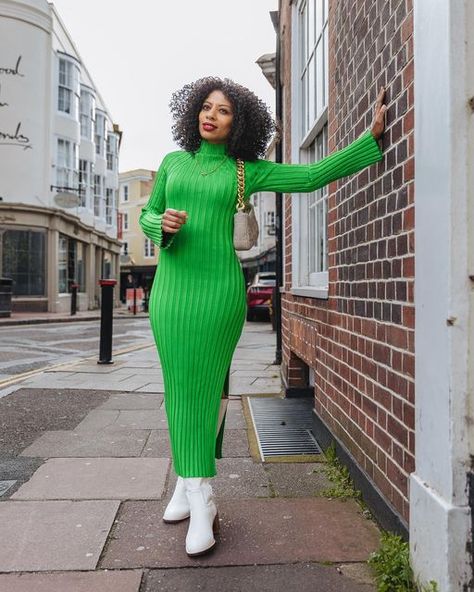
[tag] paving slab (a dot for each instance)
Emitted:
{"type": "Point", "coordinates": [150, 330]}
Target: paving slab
{"type": "Point", "coordinates": [268, 382]}
{"type": "Point", "coordinates": [87, 581]}
{"type": "Point", "coordinates": [127, 370]}
{"type": "Point", "coordinates": [148, 419]}
{"type": "Point", "coordinates": [133, 382]}
{"type": "Point", "coordinates": [240, 388]}
{"type": "Point", "coordinates": [235, 419]}
{"type": "Point", "coordinates": [240, 478]}
{"type": "Point", "coordinates": [96, 478]}
{"type": "Point", "coordinates": [140, 419]}
{"type": "Point", "coordinates": [59, 535]}
{"type": "Point", "coordinates": [253, 531]}
{"type": "Point", "coordinates": [133, 401]}
{"type": "Point", "coordinates": [97, 420]}
{"type": "Point", "coordinates": [247, 365]}
{"type": "Point", "coordinates": [89, 367]}
{"type": "Point", "coordinates": [297, 479]}
{"type": "Point", "coordinates": [26, 413]}
{"type": "Point", "coordinates": [152, 387]}
{"type": "Point", "coordinates": [304, 577]}
{"type": "Point", "coordinates": [254, 373]}
{"type": "Point", "coordinates": [157, 445]}
{"type": "Point", "coordinates": [112, 442]}
{"type": "Point", "coordinates": [235, 443]}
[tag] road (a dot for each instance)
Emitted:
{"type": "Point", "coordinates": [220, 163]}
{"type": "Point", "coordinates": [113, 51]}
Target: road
{"type": "Point", "coordinates": [24, 348]}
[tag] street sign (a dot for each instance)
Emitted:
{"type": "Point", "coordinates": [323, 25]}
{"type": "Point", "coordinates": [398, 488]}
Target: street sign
{"type": "Point", "coordinates": [65, 199]}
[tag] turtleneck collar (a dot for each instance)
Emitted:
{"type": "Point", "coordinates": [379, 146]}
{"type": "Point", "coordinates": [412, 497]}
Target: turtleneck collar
{"type": "Point", "coordinates": [209, 149]}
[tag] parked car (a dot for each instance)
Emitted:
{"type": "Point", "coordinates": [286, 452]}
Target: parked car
{"type": "Point", "coordinates": [259, 295]}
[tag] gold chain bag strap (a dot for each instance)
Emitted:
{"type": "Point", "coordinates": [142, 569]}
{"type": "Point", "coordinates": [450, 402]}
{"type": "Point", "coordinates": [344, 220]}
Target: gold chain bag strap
{"type": "Point", "coordinates": [245, 222]}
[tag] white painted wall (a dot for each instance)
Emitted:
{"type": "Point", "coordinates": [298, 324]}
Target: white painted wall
{"type": "Point", "coordinates": [25, 123]}
{"type": "Point", "coordinates": [444, 157]}
{"type": "Point", "coordinates": [32, 35]}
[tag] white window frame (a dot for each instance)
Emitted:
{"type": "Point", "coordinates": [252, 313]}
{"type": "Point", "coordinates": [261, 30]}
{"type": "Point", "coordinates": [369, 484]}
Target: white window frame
{"type": "Point", "coordinates": [149, 249]}
{"type": "Point", "coordinates": [112, 151]}
{"type": "Point", "coordinates": [68, 87]}
{"type": "Point", "coordinates": [67, 163]}
{"type": "Point", "coordinates": [125, 194]}
{"type": "Point", "coordinates": [100, 133]}
{"type": "Point", "coordinates": [109, 206]}
{"type": "Point", "coordinates": [87, 114]}
{"type": "Point", "coordinates": [86, 182]}
{"type": "Point", "coordinates": [99, 196]}
{"type": "Point", "coordinates": [125, 221]}
{"type": "Point", "coordinates": [305, 129]}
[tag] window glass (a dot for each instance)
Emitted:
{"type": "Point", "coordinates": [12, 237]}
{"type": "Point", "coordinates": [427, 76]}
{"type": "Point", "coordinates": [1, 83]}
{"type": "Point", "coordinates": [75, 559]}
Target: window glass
{"type": "Point", "coordinates": [149, 248]}
{"type": "Point", "coordinates": [100, 134]}
{"type": "Point", "coordinates": [23, 260]}
{"type": "Point", "coordinates": [98, 195]}
{"type": "Point", "coordinates": [87, 107]}
{"type": "Point", "coordinates": [310, 61]}
{"type": "Point", "coordinates": [68, 87]}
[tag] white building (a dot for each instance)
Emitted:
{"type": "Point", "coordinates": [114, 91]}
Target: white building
{"type": "Point", "coordinates": [58, 164]}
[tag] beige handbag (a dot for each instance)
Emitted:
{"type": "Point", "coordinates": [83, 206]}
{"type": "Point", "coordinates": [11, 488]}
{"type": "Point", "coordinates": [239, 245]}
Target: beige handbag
{"type": "Point", "coordinates": [245, 222]}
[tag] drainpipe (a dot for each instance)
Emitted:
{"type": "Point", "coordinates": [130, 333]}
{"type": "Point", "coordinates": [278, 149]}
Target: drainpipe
{"type": "Point", "coordinates": [274, 15]}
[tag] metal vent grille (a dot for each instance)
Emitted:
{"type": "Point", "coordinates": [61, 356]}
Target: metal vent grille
{"type": "Point", "coordinates": [283, 426]}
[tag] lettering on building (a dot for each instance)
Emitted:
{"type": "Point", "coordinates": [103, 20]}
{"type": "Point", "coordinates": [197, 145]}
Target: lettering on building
{"type": "Point", "coordinates": [15, 71]}
{"type": "Point", "coordinates": [13, 137]}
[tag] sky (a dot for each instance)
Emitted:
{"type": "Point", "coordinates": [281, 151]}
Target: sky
{"type": "Point", "coordinates": [139, 52]}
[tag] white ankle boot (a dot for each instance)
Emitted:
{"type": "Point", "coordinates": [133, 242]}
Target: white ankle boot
{"type": "Point", "coordinates": [204, 522]}
{"type": "Point", "coordinates": [178, 506]}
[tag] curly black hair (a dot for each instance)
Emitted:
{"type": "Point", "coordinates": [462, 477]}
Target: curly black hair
{"type": "Point", "coordinates": [245, 141]}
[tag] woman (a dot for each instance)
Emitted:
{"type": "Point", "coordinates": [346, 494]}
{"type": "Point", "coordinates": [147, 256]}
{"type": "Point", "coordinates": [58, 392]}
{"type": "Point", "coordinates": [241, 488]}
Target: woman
{"type": "Point", "coordinates": [198, 302]}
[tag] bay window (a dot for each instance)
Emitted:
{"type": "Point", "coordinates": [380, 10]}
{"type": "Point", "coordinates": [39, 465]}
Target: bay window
{"type": "Point", "coordinates": [309, 141]}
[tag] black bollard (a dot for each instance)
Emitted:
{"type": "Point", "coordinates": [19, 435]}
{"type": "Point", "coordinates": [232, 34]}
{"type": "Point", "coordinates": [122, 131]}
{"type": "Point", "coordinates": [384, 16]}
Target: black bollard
{"type": "Point", "coordinates": [106, 316]}
{"type": "Point", "coordinates": [74, 288]}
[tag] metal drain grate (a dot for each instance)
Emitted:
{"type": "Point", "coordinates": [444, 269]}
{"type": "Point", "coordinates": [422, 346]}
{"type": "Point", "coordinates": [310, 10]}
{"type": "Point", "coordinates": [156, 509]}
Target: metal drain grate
{"type": "Point", "coordinates": [283, 426]}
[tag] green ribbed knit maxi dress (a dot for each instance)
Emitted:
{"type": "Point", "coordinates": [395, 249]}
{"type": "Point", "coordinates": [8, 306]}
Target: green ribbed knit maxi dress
{"type": "Point", "coordinates": [198, 300]}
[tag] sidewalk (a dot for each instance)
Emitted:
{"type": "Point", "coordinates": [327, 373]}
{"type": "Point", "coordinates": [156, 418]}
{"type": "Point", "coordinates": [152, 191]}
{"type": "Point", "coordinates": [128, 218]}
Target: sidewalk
{"type": "Point", "coordinates": [86, 450]}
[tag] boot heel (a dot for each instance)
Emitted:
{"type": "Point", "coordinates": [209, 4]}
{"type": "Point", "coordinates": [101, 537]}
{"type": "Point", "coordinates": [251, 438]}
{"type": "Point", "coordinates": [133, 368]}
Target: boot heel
{"type": "Point", "coordinates": [215, 525]}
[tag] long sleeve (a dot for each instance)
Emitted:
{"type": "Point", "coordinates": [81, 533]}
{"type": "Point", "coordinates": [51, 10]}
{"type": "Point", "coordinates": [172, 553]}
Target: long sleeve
{"type": "Point", "coordinates": [264, 175]}
{"type": "Point", "coordinates": [151, 215]}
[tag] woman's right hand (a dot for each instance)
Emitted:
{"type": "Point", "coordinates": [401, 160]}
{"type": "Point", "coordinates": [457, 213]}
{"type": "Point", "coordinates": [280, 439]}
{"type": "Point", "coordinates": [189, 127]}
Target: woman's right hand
{"type": "Point", "coordinates": [172, 220]}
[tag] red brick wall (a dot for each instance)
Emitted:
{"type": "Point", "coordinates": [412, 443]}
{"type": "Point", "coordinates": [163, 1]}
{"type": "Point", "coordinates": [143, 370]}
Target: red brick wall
{"type": "Point", "coordinates": [360, 342]}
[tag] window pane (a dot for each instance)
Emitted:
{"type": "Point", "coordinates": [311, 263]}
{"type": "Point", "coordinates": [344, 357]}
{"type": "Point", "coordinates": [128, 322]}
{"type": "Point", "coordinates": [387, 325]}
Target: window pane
{"type": "Point", "coordinates": [319, 16]}
{"type": "Point", "coordinates": [311, 94]}
{"type": "Point", "coordinates": [320, 83]}
{"type": "Point", "coordinates": [312, 33]}
{"type": "Point", "coordinates": [23, 260]}
{"type": "Point", "coordinates": [81, 266]}
{"type": "Point", "coordinates": [62, 264]}
{"type": "Point", "coordinates": [313, 219]}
